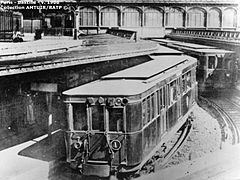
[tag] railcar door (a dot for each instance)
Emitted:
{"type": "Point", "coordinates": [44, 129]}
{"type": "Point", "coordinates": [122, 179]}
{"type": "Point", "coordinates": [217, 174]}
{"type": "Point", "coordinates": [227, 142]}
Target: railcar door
{"type": "Point", "coordinates": [115, 120]}
{"type": "Point", "coordinates": [98, 146]}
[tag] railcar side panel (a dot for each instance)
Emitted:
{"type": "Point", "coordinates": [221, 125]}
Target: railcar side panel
{"type": "Point", "coordinates": [159, 128]}
{"type": "Point", "coordinates": [134, 117]}
{"type": "Point", "coordinates": [149, 137]}
{"type": "Point", "coordinates": [172, 116]}
{"type": "Point", "coordinates": [134, 148]}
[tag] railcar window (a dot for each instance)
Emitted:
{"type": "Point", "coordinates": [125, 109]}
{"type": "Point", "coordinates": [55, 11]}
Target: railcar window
{"type": "Point", "coordinates": [144, 112]}
{"type": "Point", "coordinates": [178, 87]}
{"type": "Point", "coordinates": [211, 62]}
{"type": "Point", "coordinates": [164, 96]}
{"type": "Point", "coordinates": [148, 109]}
{"type": "Point", "coordinates": [161, 98]}
{"type": "Point", "coordinates": [184, 89]}
{"type": "Point", "coordinates": [80, 116]}
{"type": "Point", "coordinates": [153, 103]}
{"type": "Point", "coordinates": [194, 76]}
{"type": "Point", "coordinates": [188, 78]}
{"type": "Point", "coordinates": [97, 118]}
{"type": "Point", "coordinates": [115, 119]}
{"type": "Point", "coordinates": [158, 102]}
{"type": "Point", "coordinates": [173, 92]}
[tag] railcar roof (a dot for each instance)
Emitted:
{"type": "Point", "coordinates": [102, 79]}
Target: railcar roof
{"type": "Point", "coordinates": [213, 51]}
{"type": "Point", "coordinates": [193, 46]}
{"type": "Point", "coordinates": [109, 88]}
{"type": "Point", "coordinates": [197, 48]}
{"type": "Point", "coordinates": [148, 69]}
{"type": "Point", "coordinates": [165, 40]}
{"type": "Point", "coordinates": [184, 44]}
{"type": "Point", "coordinates": [118, 85]}
{"type": "Point", "coordinates": [167, 51]}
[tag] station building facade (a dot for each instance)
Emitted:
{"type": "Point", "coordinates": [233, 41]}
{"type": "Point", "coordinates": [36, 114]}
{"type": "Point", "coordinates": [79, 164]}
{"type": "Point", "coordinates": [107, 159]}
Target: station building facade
{"type": "Point", "coordinates": [155, 17]}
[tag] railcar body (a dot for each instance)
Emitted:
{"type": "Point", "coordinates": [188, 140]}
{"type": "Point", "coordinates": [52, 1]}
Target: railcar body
{"type": "Point", "coordinates": [217, 68]}
{"type": "Point", "coordinates": [117, 122]}
{"type": "Point", "coordinates": [11, 25]}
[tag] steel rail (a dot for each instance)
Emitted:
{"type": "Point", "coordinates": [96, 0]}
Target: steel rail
{"type": "Point", "coordinates": [225, 117]}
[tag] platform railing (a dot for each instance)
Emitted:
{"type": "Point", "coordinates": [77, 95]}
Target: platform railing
{"type": "Point", "coordinates": [209, 34]}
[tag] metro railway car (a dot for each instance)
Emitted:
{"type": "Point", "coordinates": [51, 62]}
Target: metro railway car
{"type": "Point", "coordinates": [11, 26]}
{"type": "Point", "coordinates": [116, 123]}
{"type": "Point", "coordinates": [217, 68]}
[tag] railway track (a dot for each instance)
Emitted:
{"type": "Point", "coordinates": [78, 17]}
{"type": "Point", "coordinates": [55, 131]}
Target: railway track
{"type": "Point", "coordinates": [164, 154]}
{"type": "Point", "coordinates": [229, 113]}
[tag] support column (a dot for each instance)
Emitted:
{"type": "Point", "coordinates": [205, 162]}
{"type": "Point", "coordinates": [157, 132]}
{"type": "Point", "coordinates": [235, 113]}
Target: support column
{"type": "Point", "coordinates": [99, 20]}
{"type": "Point", "coordinates": [70, 117]}
{"type": "Point", "coordinates": [142, 17]}
{"type": "Point", "coordinates": [121, 17]}
{"type": "Point", "coordinates": [76, 26]}
{"type": "Point", "coordinates": [206, 21]}
{"type": "Point", "coordinates": [50, 120]}
{"type": "Point", "coordinates": [221, 19]}
{"type": "Point", "coordinates": [206, 18]}
{"type": "Point", "coordinates": [63, 17]}
{"type": "Point", "coordinates": [205, 58]}
{"type": "Point", "coordinates": [164, 17]}
{"type": "Point", "coordinates": [77, 19]}
{"type": "Point", "coordinates": [185, 18]}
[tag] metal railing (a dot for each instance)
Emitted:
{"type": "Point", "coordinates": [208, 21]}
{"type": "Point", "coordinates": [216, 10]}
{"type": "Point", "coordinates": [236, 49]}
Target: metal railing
{"type": "Point", "coordinates": [209, 34]}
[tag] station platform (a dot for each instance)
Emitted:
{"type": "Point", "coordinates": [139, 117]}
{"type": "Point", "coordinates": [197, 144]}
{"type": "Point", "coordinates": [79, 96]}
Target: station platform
{"type": "Point", "coordinates": [32, 160]}
{"type": "Point", "coordinates": [220, 165]}
{"type": "Point", "coordinates": [32, 48]}
{"type": "Point", "coordinates": [59, 52]}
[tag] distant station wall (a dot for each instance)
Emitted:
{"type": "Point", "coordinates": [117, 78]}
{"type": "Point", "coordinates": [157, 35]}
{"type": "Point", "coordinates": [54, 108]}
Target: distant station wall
{"type": "Point", "coordinates": [155, 18]}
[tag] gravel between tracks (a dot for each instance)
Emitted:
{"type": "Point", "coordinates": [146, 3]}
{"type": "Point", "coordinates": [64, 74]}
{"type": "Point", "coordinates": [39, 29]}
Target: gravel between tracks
{"type": "Point", "coordinates": [204, 138]}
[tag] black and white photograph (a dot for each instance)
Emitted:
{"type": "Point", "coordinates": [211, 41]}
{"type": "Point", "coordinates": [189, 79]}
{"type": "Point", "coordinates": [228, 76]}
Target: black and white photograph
{"type": "Point", "coordinates": [119, 89]}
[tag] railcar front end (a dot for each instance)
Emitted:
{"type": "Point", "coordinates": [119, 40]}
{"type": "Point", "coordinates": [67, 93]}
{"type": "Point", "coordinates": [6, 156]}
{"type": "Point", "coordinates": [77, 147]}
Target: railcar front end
{"type": "Point", "coordinates": [96, 139]}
